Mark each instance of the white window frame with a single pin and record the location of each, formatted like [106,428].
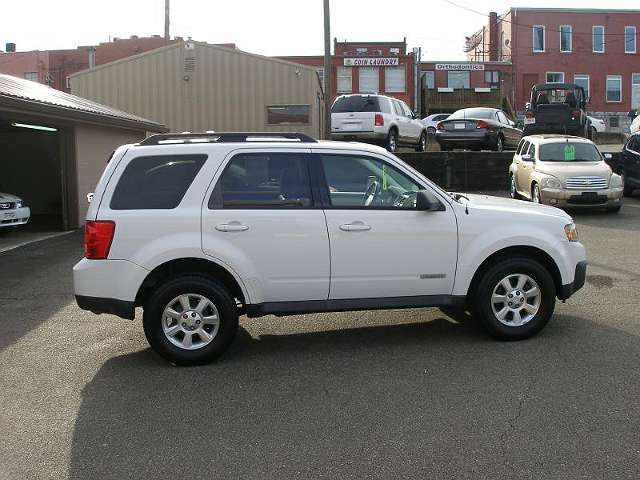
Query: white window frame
[377,77]
[546,76]
[635,39]
[606,88]
[583,76]
[32,76]
[341,73]
[570,38]
[593,39]
[544,38]
[404,79]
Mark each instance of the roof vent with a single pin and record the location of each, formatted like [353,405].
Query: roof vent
[10,47]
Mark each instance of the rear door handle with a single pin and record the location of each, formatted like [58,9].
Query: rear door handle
[232,227]
[355,227]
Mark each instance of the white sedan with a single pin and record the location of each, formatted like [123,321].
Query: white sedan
[431,122]
[13,212]
[598,124]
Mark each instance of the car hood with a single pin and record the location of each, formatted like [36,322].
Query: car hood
[564,170]
[7,197]
[504,204]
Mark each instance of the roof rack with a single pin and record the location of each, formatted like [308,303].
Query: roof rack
[225,137]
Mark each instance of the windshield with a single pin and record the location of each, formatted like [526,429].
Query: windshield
[486,113]
[556,96]
[356,103]
[569,152]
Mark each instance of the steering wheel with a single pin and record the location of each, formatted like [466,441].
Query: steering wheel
[371,193]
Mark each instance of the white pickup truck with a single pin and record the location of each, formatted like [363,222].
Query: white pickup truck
[377,119]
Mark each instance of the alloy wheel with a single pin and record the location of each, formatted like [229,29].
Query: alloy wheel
[516,299]
[190,321]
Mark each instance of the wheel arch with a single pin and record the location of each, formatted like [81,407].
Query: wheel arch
[527,251]
[190,265]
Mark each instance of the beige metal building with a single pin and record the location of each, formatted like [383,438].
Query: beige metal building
[192,86]
[54,147]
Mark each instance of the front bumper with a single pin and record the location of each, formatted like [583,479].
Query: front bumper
[14,217]
[564,198]
[578,281]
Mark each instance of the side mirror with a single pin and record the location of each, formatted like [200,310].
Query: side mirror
[427,202]
[526,158]
[608,156]
[527,106]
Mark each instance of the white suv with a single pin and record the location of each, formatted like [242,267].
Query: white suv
[377,119]
[200,228]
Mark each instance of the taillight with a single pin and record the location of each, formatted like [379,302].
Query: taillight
[379,120]
[482,124]
[440,126]
[529,114]
[98,236]
[575,114]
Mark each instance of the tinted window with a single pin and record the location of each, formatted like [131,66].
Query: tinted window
[569,152]
[155,182]
[485,113]
[503,118]
[525,147]
[288,114]
[366,182]
[263,180]
[519,149]
[357,103]
[441,117]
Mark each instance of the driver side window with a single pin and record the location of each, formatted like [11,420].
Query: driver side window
[356,181]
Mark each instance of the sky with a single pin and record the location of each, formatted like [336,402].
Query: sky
[267,27]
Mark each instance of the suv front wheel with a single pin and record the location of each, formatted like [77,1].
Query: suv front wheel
[190,320]
[515,298]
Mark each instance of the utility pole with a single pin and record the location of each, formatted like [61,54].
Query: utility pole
[166,19]
[327,70]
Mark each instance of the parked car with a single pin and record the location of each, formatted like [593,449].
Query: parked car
[564,171]
[597,126]
[377,119]
[431,121]
[198,230]
[557,108]
[635,125]
[478,129]
[13,211]
[628,164]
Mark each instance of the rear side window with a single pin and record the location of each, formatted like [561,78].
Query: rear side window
[263,180]
[525,147]
[155,182]
[359,103]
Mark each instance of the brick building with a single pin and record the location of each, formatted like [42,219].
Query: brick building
[52,67]
[596,48]
[368,67]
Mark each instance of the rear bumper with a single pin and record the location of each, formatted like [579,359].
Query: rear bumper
[121,308]
[472,138]
[358,135]
[560,128]
[578,281]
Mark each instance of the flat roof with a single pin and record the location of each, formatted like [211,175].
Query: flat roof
[24,95]
[575,10]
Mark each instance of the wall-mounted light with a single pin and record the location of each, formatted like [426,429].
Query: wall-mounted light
[34,127]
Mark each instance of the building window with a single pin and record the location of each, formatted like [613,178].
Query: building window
[629,39]
[429,79]
[492,78]
[555,77]
[458,79]
[598,38]
[538,38]
[369,80]
[33,76]
[288,114]
[362,50]
[582,81]
[344,80]
[566,40]
[394,79]
[614,88]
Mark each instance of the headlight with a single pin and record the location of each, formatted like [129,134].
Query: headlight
[616,181]
[19,204]
[571,232]
[550,182]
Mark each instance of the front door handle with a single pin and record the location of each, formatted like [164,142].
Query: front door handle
[232,227]
[355,227]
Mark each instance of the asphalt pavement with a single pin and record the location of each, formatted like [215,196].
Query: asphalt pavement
[387,394]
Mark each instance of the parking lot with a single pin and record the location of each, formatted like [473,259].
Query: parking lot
[401,394]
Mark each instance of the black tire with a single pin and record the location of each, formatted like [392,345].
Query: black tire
[535,194]
[615,209]
[192,284]
[627,190]
[499,146]
[422,142]
[391,144]
[481,300]
[513,191]
[431,131]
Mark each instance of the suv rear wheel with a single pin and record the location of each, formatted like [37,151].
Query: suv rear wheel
[515,298]
[422,143]
[392,141]
[190,320]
